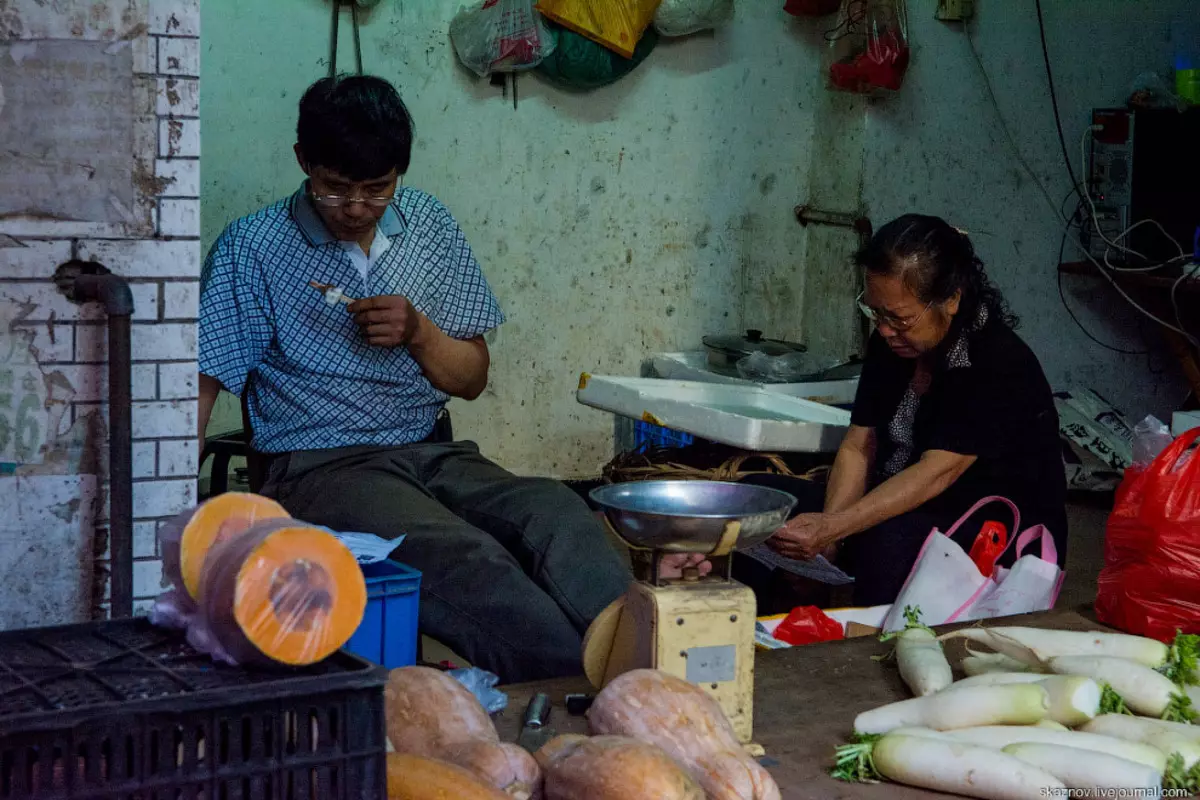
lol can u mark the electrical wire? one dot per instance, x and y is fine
(1062, 139)
(1062, 294)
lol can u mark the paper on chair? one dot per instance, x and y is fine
(367, 547)
(818, 569)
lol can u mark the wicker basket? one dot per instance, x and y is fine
(664, 463)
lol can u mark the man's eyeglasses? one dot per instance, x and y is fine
(338, 201)
(883, 318)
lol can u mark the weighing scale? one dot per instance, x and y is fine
(699, 628)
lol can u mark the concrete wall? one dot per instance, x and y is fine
(640, 217)
(939, 148)
(612, 225)
(99, 125)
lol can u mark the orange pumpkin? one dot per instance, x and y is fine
(613, 768)
(412, 777)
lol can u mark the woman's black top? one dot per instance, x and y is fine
(987, 397)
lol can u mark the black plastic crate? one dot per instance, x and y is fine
(125, 711)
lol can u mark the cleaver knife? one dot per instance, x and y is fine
(534, 729)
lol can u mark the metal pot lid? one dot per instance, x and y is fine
(752, 342)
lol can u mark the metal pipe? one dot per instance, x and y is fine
(84, 282)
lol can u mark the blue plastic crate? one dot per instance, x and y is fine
(388, 633)
(647, 434)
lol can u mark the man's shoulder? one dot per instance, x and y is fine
(420, 209)
(266, 226)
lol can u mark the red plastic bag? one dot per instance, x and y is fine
(808, 625)
(870, 49)
(1150, 583)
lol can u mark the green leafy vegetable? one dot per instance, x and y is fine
(854, 761)
(1180, 709)
(1112, 703)
(1183, 658)
(1177, 778)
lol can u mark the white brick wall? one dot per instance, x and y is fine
(69, 341)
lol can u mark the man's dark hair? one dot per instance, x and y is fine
(356, 126)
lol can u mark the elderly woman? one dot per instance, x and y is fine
(952, 407)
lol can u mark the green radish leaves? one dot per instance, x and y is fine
(912, 619)
(1111, 702)
(1182, 659)
(1180, 709)
(1176, 778)
(854, 761)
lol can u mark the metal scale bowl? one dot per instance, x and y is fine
(696, 627)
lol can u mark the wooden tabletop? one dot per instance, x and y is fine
(805, 702)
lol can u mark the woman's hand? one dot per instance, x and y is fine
(805, 536)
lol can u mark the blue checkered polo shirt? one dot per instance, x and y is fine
(316, 383)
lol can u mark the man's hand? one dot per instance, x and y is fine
(806, 536)
(386, 320)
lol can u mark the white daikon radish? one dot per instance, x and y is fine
(1074, 699)
(1140, 729)
(1034, 645)
(982, 663)
(1089, 770)
(1001, 736)
(1182, 728)
(999, 678)
(1144, 690)
(961, 769)
(919, 655)
(1051, 725)
(1014, 704)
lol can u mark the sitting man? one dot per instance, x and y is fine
(343, 394)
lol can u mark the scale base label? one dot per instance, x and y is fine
(712, 664)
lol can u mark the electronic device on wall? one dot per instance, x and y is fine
(1143, 168)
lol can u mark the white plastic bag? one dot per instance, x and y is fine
(948, 586)
(685, 17)
(501, 36)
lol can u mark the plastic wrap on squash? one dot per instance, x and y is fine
(281, 592)
(616, 24)
(186, 540)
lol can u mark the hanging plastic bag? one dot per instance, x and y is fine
(579, 63)
(869, 50)
(685, 17)
(616, 24)
(500, 36)
(1150, 583)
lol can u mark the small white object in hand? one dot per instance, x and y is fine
(333, 296)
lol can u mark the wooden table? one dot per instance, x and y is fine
(805, 701)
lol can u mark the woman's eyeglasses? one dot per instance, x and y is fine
(883, 318)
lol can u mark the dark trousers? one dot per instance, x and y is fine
(513, 569)
(880, 558)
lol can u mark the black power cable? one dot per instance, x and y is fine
(1062, 139)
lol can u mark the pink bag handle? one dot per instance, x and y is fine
(984, 502)
(1049, 549)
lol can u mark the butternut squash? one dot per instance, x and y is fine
(190, 536)
(687, 723)
(613, 768)
(431, 714)
(282, 592)
(413, 777)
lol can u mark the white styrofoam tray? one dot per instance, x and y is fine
(739, 416)
(693, 366)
